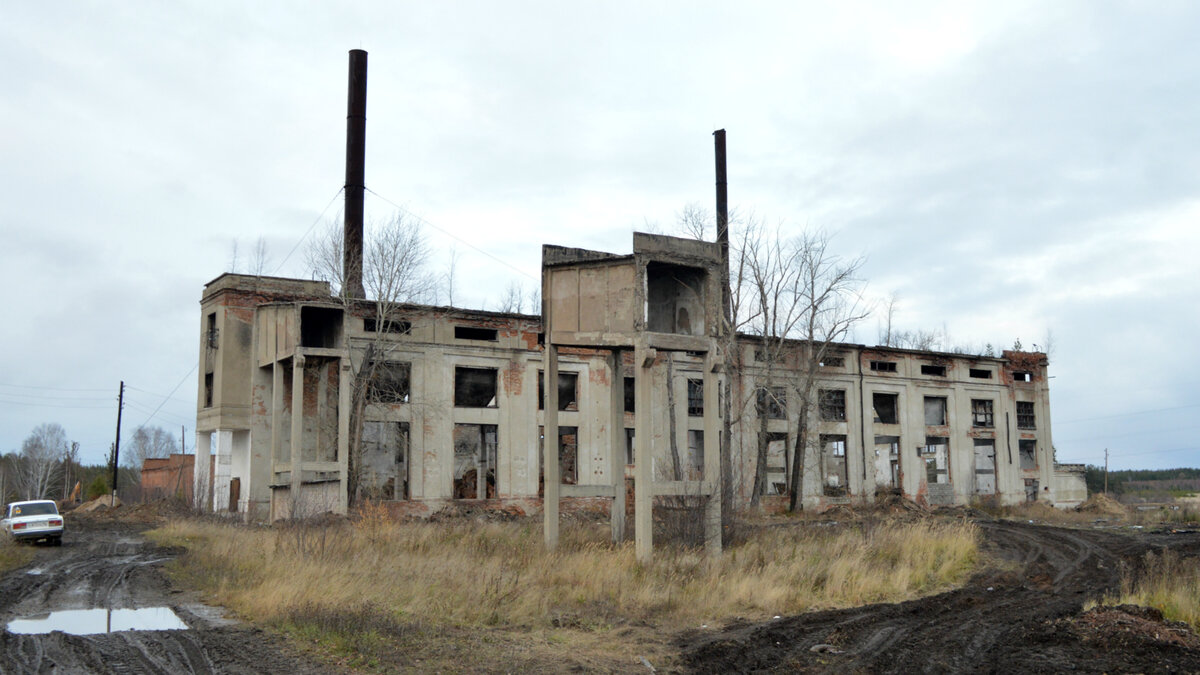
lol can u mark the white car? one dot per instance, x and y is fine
(33, 520)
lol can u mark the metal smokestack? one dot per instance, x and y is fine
(356, 139)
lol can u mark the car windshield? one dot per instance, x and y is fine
(38, 509)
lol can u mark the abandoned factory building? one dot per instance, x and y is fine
(456, 411)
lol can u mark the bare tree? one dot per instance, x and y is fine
(70, 468)
(259, 258)
(148, 443)
(40, 455)
(235, 263)
(513, 299)
(451, 273)
(693, 220)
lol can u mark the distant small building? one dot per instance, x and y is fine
(171, 476)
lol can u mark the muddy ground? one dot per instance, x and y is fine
(107, 564)
(1027, 619)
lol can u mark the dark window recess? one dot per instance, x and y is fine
(473, 333)
(629, 396)
(320, 327)
(883, 366)
(568, 399)
(832, 404)
(1022, 376)
(389, 382)
(629, 446)
(475, 387)
(211, 334)
(760, 355)
(938, 371)
(981, 373)
(773, 402)
(886, 408)
(833, 362)
(372, 325)
(1025, 415)
(675, 298)
(981, 413)
(935, 411)
(695, 398)
(1028, 455)
(208, 390)
(541, 338)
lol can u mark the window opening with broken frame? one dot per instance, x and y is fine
(833, 465)
(936, 454)
(695, 398)
(887, 408)
(1028, 451)
(936, 371)
(832, 404)
(568, 456)
(1026, 419)
(883, 366)
(981, 413)
(1022, 376)
(475, 387)
(772, 402)
(935, 411)
(568, 391)
(475, 449)
(833, 362)
(390, 382)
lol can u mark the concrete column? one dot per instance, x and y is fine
(223, 469)
(296, 451)
(643, 496)
(550, 449)
(201, 478)
(343, 440)
(616, 428)
(712, 456)
(276, 412)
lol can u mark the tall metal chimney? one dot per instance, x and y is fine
(356, 140)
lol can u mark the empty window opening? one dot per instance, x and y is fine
(832, 404)
(887, 408)
(1022, 376)
(1028, 450)
(473, 333)
(887, 462)
(937, 371)
(629, 444)
(475, 387)
(760, 355)
(985, 466)
(777, 464)
(883, 366)
(695, 454)
(568, 388)
(675, 298)
(772, 402)
(208, 390)
(1026, 419)
(568, 453)
(390, 381)
(210, 334)
(373, 325)
(475, 448)
(833, 362)
(935, 411)
(936, 454)
(981, 413)
(384, 463)
(695, 398)
(1031, 489)
(629, 395)
(541, 338)
(321, 327)
(981, 373)
(833, 465)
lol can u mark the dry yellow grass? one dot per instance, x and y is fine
(13, 555)
(1169, 582)
(469, 573)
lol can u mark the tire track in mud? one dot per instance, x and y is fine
(108, 565)
(1001, 621)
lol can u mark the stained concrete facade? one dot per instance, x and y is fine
(458, 414)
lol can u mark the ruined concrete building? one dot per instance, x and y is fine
(457, 409)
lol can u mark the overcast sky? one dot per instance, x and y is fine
(1007, 169)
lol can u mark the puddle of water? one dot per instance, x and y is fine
(34, 572)
(92, 621)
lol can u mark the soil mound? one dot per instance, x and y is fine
(1102, 504)
(101, 503)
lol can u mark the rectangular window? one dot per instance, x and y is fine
(473, 333)
(568, 388)
(981, 413)
(695, 393)
(568, 456)
(1022, 376)
(887, 408)
(211, 333)
(936, 371)
(373, 325)
(475, 387)
(832, 403)
(629, 441)
(883, 366)
(936, 454)
(696, 453)
(629, 396)
(1028, 454)
(475, 449)
(389, 381)
(935, 411)
(833, 465)
(383, 466)
(772, 402)
(1025, 415)
(981, 373)
(208, 390)
(833, 362)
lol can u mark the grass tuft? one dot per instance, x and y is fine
(1169, 583)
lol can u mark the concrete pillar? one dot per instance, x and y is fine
(550, 449)
(343, 439)
(643, 496)
(296, 451)
(222, 470)
(276, 412)
(712, 456)
(201, 478)
(616, 428)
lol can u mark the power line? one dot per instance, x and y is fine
(31, 386)
(309, 231)
(173, 390)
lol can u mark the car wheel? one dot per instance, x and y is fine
(57, 541)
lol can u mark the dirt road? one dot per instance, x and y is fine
(1022, 621)
(105, 566)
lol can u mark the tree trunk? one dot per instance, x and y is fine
(796, 483)
(760, 464)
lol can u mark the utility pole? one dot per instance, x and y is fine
(1106, 471)
(182, 442)
(726, 303)
(117, 443)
